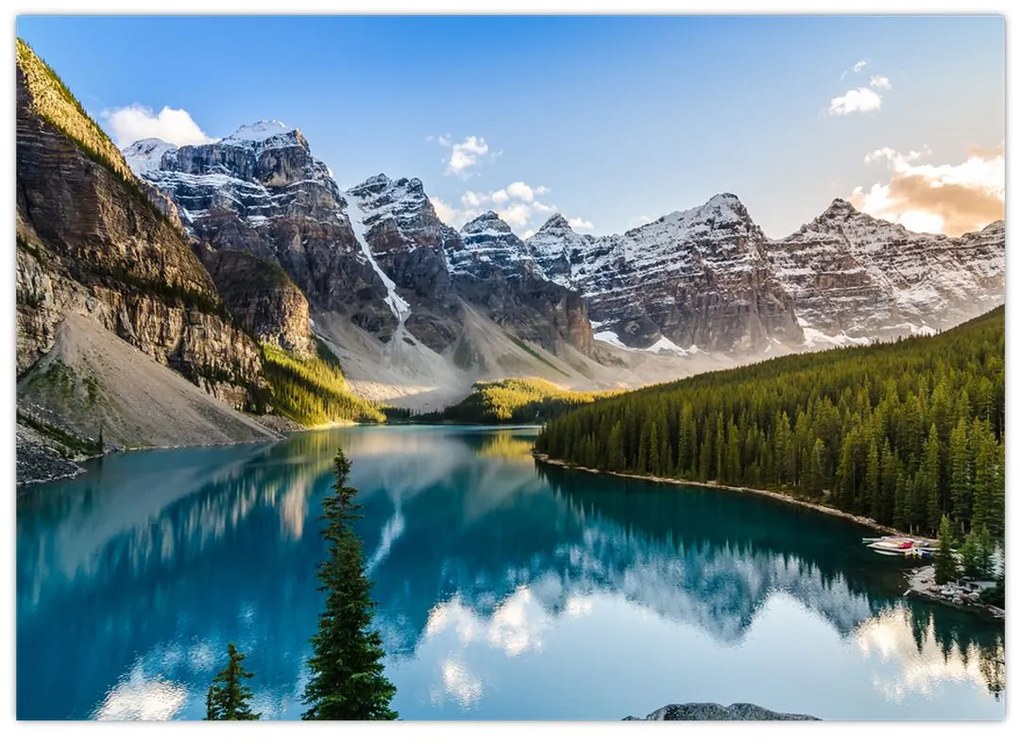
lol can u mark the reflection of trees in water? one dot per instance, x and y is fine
(922, 647)
(226, 549)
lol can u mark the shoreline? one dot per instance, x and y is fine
(777, 495)
(921, 584)
(914, 578)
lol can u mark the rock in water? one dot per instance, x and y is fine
(716, 712)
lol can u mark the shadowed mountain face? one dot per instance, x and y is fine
(487, 572)
(91, 243)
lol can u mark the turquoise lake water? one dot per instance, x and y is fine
(505, 589)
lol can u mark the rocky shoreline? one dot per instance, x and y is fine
(921, 583)
(716, 712)
(37, 462)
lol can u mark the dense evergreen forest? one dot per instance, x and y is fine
(903, 432)
(313, 391)
(515, 400)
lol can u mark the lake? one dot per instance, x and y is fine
(505, 589)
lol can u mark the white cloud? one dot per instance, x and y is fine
(465, 155)
(132, 123)
(880, 82)
(579, 223)
(855, 99)
(516, 205)
(861, 98)
(940, 198)
(444, 211)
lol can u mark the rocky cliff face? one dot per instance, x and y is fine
(260, 191)
(262, 298)
(410, 243)
(495, 270)
(853, 276)
(91, 243)
(695, 278)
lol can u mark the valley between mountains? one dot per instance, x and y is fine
(216, 293)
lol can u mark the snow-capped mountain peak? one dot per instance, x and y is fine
(487, 222)
(556, 223)
(259, 131)
(145, 154)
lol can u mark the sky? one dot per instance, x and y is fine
(611, 121)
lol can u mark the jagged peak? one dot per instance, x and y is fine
(487, 221)
(557, 223)
(375, 183)
(841, 207)
(725, 198)
(259, 131)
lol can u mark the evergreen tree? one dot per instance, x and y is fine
(872, 481)
(228, 696)
(961, 477)
(924, 415)
(928, 480)
(945, 563)
(347, 681)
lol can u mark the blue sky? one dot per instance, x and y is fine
(610, 120)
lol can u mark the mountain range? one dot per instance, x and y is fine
(149, 281)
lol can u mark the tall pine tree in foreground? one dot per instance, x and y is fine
(228, 696)
(347, 681)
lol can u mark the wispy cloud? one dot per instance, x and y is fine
(464, 156)
(131, 123)
(940, 198)
(861, 98)
(880, 82)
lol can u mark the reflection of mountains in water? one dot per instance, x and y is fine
(449, 516)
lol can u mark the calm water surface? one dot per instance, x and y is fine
(505, 589)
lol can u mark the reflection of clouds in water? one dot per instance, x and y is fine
(515, 626)
(392, 530)
(908, 669)
(136, 698)
(579, 606)
(294, 507)
(459, 682)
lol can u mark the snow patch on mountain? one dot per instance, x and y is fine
(400, 307)
(145, 155)
(259, 131)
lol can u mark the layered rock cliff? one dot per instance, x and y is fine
(91, 243)
(262, 298)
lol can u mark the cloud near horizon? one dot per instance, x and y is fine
(134, 122)
(945, 198)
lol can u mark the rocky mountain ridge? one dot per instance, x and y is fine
(709, 279)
